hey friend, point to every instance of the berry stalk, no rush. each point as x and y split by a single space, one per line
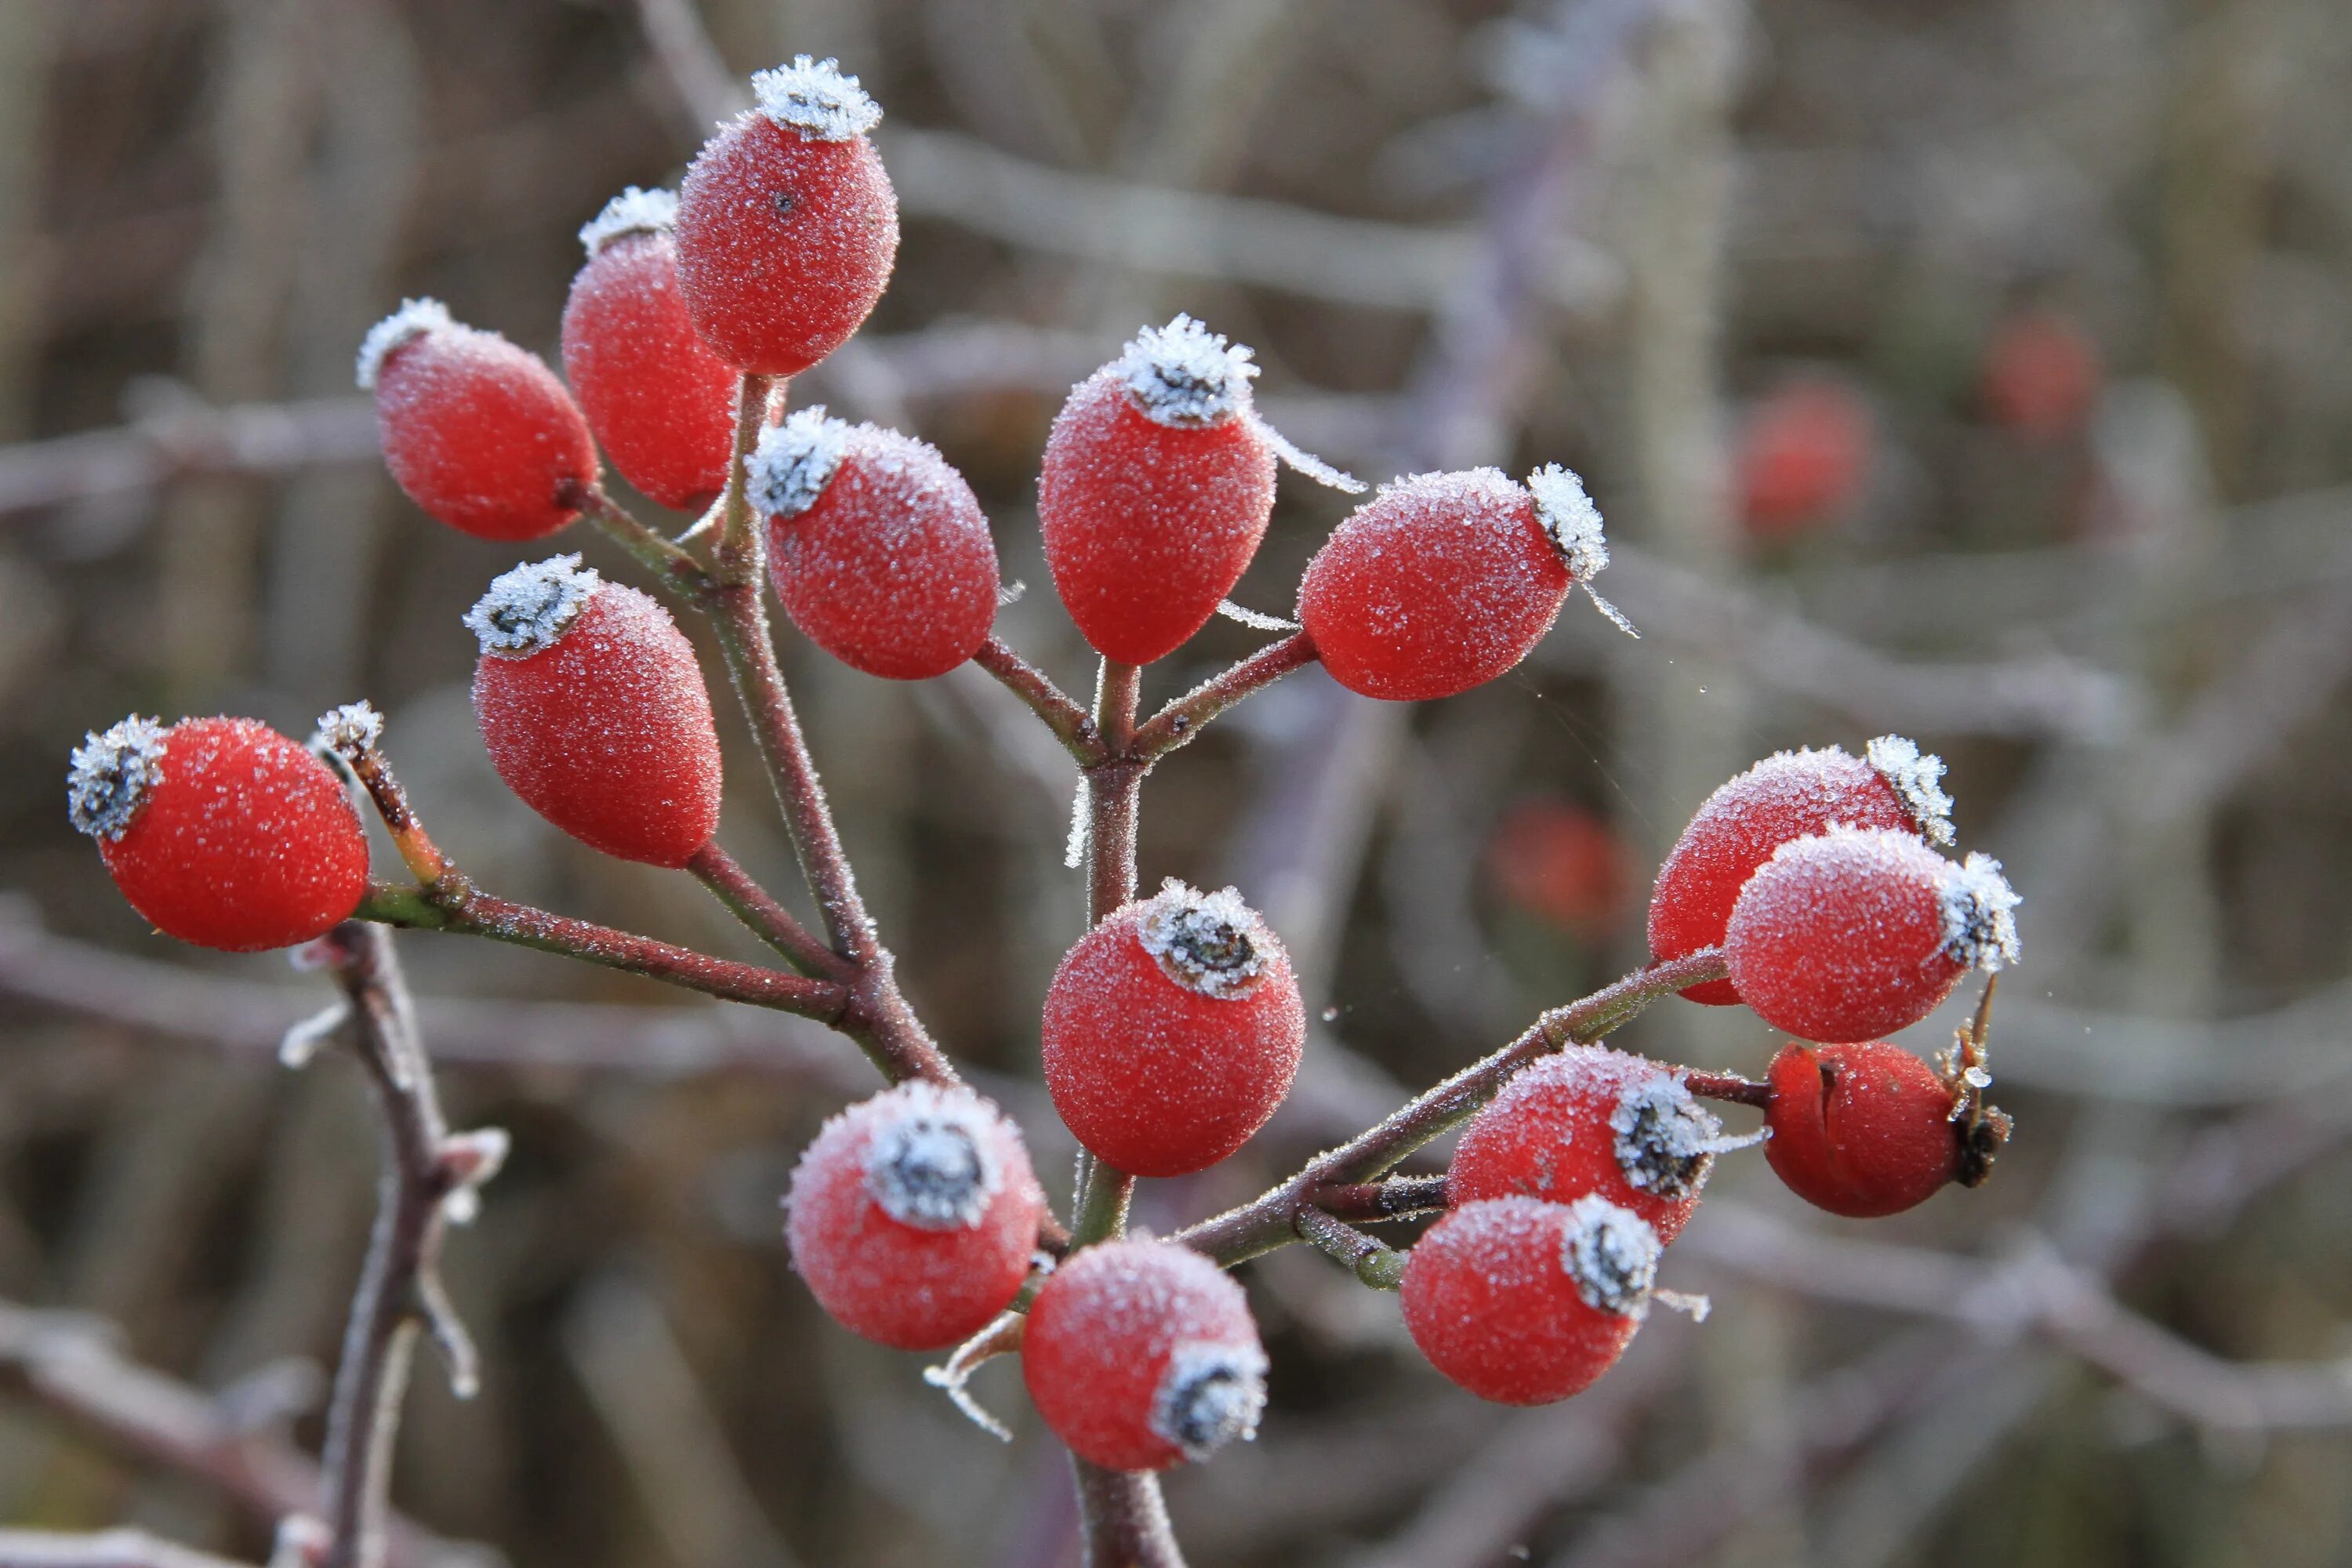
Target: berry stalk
1374 1262
1182 719
1071 724
763 916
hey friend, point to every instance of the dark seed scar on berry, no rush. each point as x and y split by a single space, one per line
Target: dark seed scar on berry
1611 1255
1208 942
931 1171
1210 1395
1666 1138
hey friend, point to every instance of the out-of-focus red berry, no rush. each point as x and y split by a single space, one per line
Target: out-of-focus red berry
221 831
2042 375
1861 1129
1173 1031
879 550
661 403
1141 1354
1858 932
913 1216
787 225
1803 457
594 711
1560 863
476 431
1789 794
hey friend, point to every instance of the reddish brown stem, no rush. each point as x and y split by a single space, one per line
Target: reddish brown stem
1070 722
1399 1197
1177 723
1729 1087
769 920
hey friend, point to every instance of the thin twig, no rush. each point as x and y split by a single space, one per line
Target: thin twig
1373 1261
1061 712
768 920
1182 719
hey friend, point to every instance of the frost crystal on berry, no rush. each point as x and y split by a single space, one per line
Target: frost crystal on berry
527 608
633 211
1210 1395
1979 919
413 319
794 461
931 1165
353 727
1915 776
817 98
1665 1138
1209 942
1570 520
111 775
1611 1254
1186 375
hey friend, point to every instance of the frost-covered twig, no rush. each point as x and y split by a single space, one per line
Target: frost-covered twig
189 438
1062 714
757 910
1182 719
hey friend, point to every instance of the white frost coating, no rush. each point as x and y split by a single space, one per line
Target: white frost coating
1073 847
1305 462
1572 523
1210 942
300 1042
932 1165
1252 619
1666 1140
1009 593
817 98
527 607
633 211
353 727
1917 776
111 775
1611 1255
414 317
794 461
1979 919
1210 1395
1185 375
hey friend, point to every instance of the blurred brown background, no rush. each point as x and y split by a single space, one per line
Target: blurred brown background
1971 368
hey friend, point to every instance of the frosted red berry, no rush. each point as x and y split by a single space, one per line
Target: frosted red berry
879 551
1173 1031
1858 932
1157 485
787 225
476 431
1522 1302
222 832
595 713
1803 457
2041 377
913 1216
1789 794
1443 582
1593 1120
1861 1129
660 402
1142 1354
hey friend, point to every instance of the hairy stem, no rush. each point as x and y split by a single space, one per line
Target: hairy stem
766 919
668 561
1177 723
1399 1197
1374 1262
1071 724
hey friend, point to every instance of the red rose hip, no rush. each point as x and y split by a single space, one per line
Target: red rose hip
879 551
594 711
661 403
1858 932
1173 1031
1141 1354
913 1216
222 832
1862 1130
1525 1302
1443 582
477 432
1803 456
1789 794
1593 1120
787 225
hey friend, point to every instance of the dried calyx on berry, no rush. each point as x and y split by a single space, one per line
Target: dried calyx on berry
353 727
1209 942
1570 520
1212 1393
111 776
1187 377
413 319
529 607
1980 915
1917 777
794 461
817 99
1666 1138
633 211
931 1165
1612 1256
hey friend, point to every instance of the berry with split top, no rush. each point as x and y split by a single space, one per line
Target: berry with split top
913 1216
787 225
1142 1354
1858 932
1443 582
1593 1120
222 832
1789 794
477 432
595 713
1156 488
1861 1129
879 551
661 403
1522 1302
1171 1031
